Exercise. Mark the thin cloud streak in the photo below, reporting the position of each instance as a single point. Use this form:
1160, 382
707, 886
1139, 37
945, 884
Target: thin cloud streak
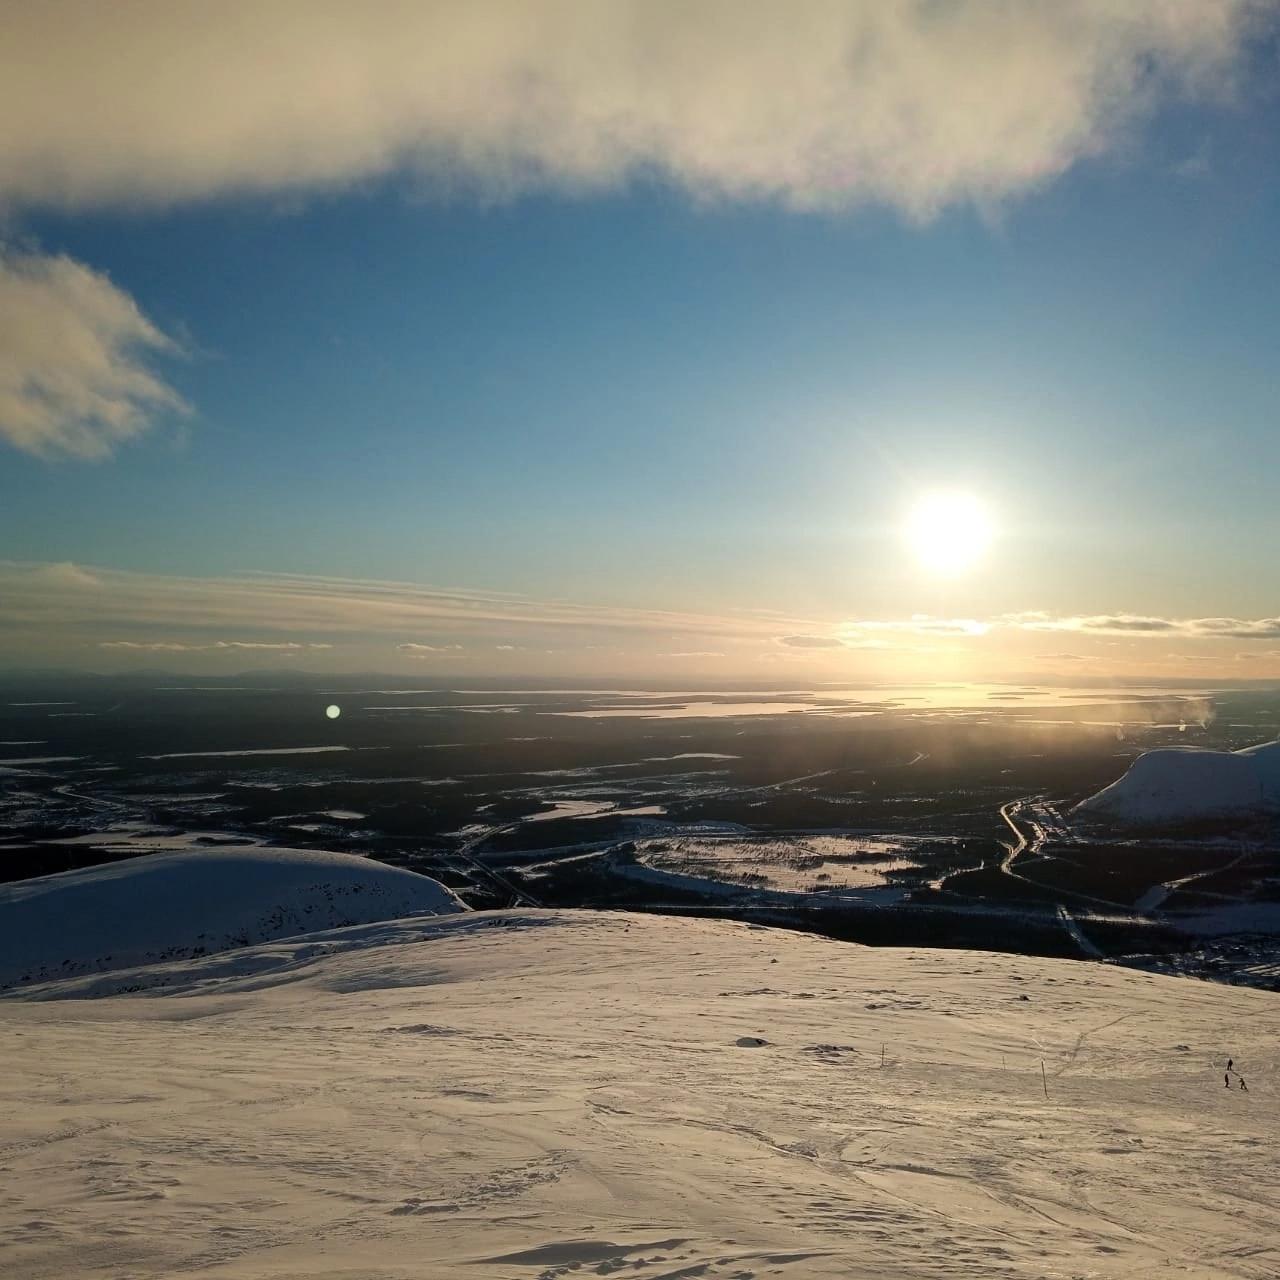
1139, 625
811, 642
73, 598
922, 625
175, 646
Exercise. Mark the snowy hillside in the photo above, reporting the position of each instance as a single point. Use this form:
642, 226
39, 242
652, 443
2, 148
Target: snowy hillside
165, 906
1180, 785
534, 1095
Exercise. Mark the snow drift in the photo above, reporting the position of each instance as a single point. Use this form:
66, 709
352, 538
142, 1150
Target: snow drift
1178, 785
168, 906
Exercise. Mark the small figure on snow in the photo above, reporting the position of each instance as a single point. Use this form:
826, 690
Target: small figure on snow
1243, 1087
1226, 1079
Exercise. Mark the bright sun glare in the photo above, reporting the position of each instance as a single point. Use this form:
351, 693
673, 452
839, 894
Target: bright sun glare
949, 532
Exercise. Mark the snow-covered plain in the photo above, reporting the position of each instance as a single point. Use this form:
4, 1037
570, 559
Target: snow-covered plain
1191, 784
193, 902
533, 1095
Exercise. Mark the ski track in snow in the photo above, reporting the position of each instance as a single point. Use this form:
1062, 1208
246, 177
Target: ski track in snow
611, 1094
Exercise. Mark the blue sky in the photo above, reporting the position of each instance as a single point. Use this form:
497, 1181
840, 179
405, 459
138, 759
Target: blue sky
647, 396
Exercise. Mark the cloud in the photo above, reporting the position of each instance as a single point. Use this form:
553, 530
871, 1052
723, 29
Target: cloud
1239, 628
175, 646
1137, 624
64, 608
324, 605
66, 574
815, 103
922, 625
74, 378
811, 642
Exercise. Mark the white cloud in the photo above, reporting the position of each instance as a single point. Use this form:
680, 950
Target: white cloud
817, 103
428, 650
73, 347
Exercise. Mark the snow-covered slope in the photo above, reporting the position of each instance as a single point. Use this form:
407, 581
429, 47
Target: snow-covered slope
531, 1096
165, 906
1182, 784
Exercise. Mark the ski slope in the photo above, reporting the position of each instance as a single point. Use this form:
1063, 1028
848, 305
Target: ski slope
1175, 785
535, 1095
193, 902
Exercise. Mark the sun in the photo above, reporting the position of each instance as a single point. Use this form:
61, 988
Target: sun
949, 532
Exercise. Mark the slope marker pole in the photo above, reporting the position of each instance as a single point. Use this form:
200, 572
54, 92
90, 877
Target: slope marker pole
1044, 1080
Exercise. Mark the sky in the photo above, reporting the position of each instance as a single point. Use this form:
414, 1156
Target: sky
549, 337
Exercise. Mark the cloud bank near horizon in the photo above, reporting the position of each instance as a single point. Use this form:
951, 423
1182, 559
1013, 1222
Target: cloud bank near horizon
80, 611
818, 104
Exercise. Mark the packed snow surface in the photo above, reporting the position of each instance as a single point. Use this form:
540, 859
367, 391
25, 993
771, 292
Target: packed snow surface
1190, 784
529, 1096
166, 906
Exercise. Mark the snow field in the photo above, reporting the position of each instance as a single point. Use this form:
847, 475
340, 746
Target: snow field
546, 1094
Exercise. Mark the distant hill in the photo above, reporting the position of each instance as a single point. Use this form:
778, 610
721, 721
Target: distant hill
195, 902
1183, 785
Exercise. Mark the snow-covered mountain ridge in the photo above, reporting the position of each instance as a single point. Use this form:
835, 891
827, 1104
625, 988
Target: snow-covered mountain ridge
1192, 784
173, 905
534, 1095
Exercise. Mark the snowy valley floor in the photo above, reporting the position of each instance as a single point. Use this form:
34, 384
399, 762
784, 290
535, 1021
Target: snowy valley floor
532, 1095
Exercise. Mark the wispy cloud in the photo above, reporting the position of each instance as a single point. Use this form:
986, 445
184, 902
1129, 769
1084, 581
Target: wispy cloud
1139, 625
817, 103
176, 646
74, 609
922, 625
74, 374
811, 642
68, 599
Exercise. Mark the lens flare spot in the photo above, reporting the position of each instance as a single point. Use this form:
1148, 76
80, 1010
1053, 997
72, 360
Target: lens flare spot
333, 711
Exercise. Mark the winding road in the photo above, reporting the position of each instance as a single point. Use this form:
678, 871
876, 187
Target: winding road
1025, 844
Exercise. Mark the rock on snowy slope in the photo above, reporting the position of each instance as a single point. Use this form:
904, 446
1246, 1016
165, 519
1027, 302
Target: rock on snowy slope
166, 906
1179, 785
532, 1095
